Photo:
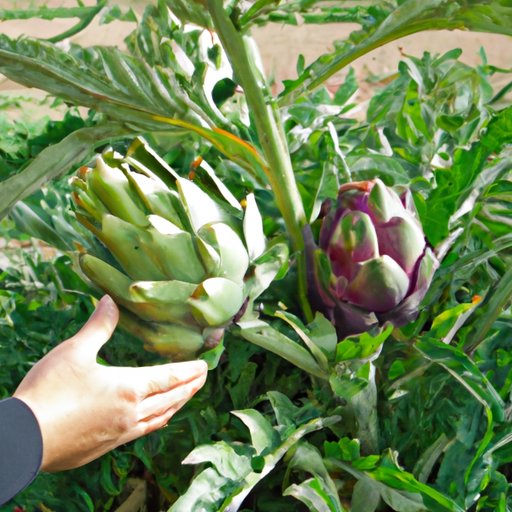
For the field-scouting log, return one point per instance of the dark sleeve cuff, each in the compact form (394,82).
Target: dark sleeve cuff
(21,447)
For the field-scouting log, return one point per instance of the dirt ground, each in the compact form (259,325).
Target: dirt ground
(280,45)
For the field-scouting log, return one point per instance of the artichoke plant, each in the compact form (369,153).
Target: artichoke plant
(372,263)
(181,263)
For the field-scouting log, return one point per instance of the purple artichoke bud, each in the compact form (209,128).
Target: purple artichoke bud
(373,263)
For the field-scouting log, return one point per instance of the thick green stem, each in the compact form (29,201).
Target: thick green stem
(271,136)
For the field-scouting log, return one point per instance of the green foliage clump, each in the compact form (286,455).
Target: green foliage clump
(293,418)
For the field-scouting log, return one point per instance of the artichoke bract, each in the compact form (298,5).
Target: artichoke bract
(372,263)
(180,262)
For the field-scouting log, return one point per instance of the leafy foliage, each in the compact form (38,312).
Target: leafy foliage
(409,419)
(388,21)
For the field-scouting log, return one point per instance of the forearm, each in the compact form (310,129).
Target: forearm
(21,447)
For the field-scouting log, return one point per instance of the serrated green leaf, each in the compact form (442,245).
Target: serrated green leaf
(363,345)
(211,491)
(307,458)
(311,493)
(263,436)
(345,449)
(465,371)
(399,489)
(386,168)
(204,493)
(455,184)
(223,457)
(346,386)
(393,20)
(141,97)
(286,413)
(447,323)
(55,160)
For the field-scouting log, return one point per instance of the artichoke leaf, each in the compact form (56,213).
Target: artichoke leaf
(141,156)
(379,285)
(200,207)
(384,203)
(177,342)
(234,260)
(271,263)
(175,255)
(408,309)
(209,256)
(162,301)
(218,188)
(403,240)
(253,228)
(166,301)
(112,187)
(88,202)
(216,301)
(125,242)
(156,197)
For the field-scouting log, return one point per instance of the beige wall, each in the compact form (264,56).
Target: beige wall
(280,45)
(312,41)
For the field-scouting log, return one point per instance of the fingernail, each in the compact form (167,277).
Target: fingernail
(107,303)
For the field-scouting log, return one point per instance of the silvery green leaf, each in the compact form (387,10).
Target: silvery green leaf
(266,268)
(55,160)
(126,243)
(311,493)
(216,301)
(323,334)
(321,489)
(263,436)
(365,497)
(394,20)
(265,336)
(175,255)
(200,207)
(223,457)
(113,188)
(253,228)
(234,260)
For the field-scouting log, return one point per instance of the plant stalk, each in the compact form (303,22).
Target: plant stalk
(271,136)
(363,406)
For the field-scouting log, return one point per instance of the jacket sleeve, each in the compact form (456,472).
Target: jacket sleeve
(21,447)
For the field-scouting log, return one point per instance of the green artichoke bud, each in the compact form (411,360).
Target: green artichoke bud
(373,263)
(184,263)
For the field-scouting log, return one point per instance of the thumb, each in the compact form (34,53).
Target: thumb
(98,329)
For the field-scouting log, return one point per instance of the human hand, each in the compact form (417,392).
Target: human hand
(85,409)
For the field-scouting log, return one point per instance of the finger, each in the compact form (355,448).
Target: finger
(98,329)
(159,379)
(161,421)
(157,405)
(146,427)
